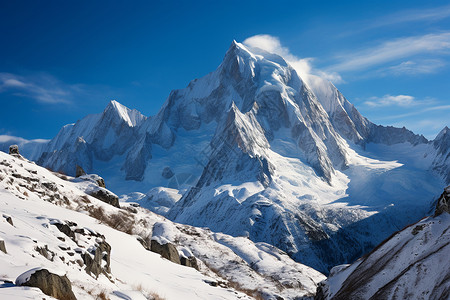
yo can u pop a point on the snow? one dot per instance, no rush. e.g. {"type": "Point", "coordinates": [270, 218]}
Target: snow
{"type": "Point", "coordinates": [135, 272]}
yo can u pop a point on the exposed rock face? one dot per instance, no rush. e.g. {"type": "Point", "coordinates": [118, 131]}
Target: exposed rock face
{"type": "Point", "coordinates": [14, 150]}
{"type": "Point", "coordinates": [79, 171]}
{"type": "Point", "coordinates": [105, 196]}
{"type": "Point", "coordinates": [2, 246]}
{"type": "Point", "coordinates": [443, 202]}
{"type": "Point", "coordinates": [94, 265]}
{"type": "Point", "coordinates": [167, 173]}
{"type": "Point", "coordinates": [189, 262]}
{"type": "Point", "coordinates": [411, 264]}
{"type": "Point", "coordinates": [51, 284]}
{"type": "Point", "coordinates": [167, 250]}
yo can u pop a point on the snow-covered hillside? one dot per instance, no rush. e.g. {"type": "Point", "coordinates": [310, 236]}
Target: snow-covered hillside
{"type": "Point", "coordinates": [411, 264]}
{"type": "Point", "coordinates": [48, 221]}
{"type": "Point", "coordinates": [252, 150]}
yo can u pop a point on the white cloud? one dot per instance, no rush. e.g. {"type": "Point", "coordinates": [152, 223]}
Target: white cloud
{"type": "Point", "coordinates": [414, 67]}
{"type": "Point", "coordinates": [392, 50]}
{"type": "Point", "coordinates": [389, 100]}
{"type": "Point", "coordinates": [42, 88]}
{"type": "Point", "coordinates": [303, 66]}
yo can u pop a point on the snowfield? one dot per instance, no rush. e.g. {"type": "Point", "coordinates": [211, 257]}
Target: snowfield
{"type": "Point", "coordinates": [38, 200]}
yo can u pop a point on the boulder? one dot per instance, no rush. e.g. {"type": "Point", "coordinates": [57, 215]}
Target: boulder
{"type": "Point", "coordinates": [94, 265]}
{"type": "Point", "coordinates": [50, 284]}
{"type": "Point", "coordinates": [14, 150]}
{"type": "Point", "coordinates": [8, 219]}
{"type": "Point", "coordinates": [189, 262]}
{"type": "Point", "coordinates": [2, 246]}
{"type": "Point", "coordinates": [79, 171]}
{"type": "Point", "coordinates": [167, 250]}
{"type": "Point", "coordinates": [105, 196]}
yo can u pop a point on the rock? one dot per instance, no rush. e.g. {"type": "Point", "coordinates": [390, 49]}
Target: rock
{"type": "Point", "coordinates": [442, 203]}
{"type": "Point", "coordinates": [167, 173]}
{"type": "Point", "coordinates": [2, 246]}
{"type": "Point", "coordinates": [14, 150]}
{"type": "Point", "coordinates": [94, 265]}
{"type": "Point", "coordinates": [50, 284]}
{"type": "Point", "coordinates": [79, 171]}
{"type": "Point", "coordinates": [105, 196]}
{"type": "Point", "coordinates": [143, 243]}
{"type": "Point", "coordinates": [189, 262]}
{"type": "Point", "coordinates": [64, 228]}
{"type": "Point", "coordinates": [168, 251]}
{"type": "Point", "coordinates": [9, 219]}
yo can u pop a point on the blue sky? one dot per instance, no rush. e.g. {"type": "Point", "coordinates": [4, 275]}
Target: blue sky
{"type": "Point", "coordinates": [62, 60]}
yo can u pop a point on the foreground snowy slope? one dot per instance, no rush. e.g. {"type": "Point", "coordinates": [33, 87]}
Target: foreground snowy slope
{"type": "Point", "coordinates": [40, 204]}
{"type": "Point", "coordinates": [253, 150]}
{"type": "Point", "coordinates": [411, 264]}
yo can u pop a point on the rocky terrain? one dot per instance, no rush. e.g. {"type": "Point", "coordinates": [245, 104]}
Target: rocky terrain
{"type": "Point", "coordinates": [411, 264]}
{"type": "Point", "coordinates": [253, 150]}
{"type": "Point", "coordinates": [60, 237]}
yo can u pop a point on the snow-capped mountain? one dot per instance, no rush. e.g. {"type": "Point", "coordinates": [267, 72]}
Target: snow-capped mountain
{"type": "Point", "coordinates": [411, 264]}
{"type": "Point", "coordinates": [253, 150]}
{"type": "Point", "coordinates": [50, 221]}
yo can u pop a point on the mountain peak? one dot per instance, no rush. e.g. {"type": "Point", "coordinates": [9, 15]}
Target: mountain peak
{"type": "Point", "coordinates": [131, 117]}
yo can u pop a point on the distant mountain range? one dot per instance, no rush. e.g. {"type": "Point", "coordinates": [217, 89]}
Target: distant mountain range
{"type": "Point", "coordinates": [253, 150]}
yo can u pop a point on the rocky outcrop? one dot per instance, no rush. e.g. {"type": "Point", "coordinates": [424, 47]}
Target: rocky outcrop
{"type": "Point", "coordinates": [100, 262]}
{"type": "Point", "coordinates": [411, 264]}
{"type": "Point", "coordinates": [50, 284]}
{"type": "Point", "coordinates": [14, 150]}
{"type": "Point", "coordinates": [189, 262]}
{"type": "Point", "coordinates": [105, 196]}
{"type": "Point", "coordinates": [2, 246]}
{"type": "Point", "coordinates": [166, 250]}
{"type": "Point", "coordinates": [79, 171]}
{"type": "Point", "coordinates": [443, 202]}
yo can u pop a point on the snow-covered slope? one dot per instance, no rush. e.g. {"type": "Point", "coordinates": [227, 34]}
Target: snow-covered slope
{"type": "Point", "coordinates": [40, 203]}
{"type": "Point", "coordinates": [256, 151]}
{"type": "Point", "coordinates": [411, 264]}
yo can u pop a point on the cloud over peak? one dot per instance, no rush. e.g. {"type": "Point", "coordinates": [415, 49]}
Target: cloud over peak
{"type": "Point", "coordinates": [303, 66]}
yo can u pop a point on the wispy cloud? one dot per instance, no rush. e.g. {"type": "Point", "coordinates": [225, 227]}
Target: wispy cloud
{"type": "Point", "coordinates": [43, 88]}
{"type": "Point", "coordinates": [392, 50]}
{"type": "Point", "coordinates": [303, 66]}
{"type": "Point", "coordinates": [415, 67]}
{"type": "Point", "coordinates": [390, 100]}
{"type": "Point", "coordinates": [434, 14]}
{"type": "Point", "coordinates": [416, 113]}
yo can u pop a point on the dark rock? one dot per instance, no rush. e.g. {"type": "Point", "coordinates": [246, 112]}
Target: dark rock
{"type": "Point", "coordinates": [106, 196]}
{"type": "Point", "coordinates": [2, 246]}
{"type": "Point", "coordinates": [14, 150]}
{"type": "Point", "coordinates": [168, 251]}
{"type": "Point", "coordinates": [64, 228]}
{"type": "Point", "coordinates": [189, 262]}
{"type": "Point", "coordinates": [51, 284]}
{"type": "Point", "coordinates": [45, 252]}
{"type": "Point", "coordinates": [101, 182]}
{"type": "Point", "coordinates": [143, 243]}
{"type": "Point", "coordinates": [9, 220]}
{"type": "Point", "coordinates": [442, 203]}
{"type": "Point", "coordinates": [94, 265]}
{"type": "Point", "coordinates": [79, 171]}
{"type": "Point", "coordinates": [167, 173]}
{"type": "Point", "coordinates": [51, 186]}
